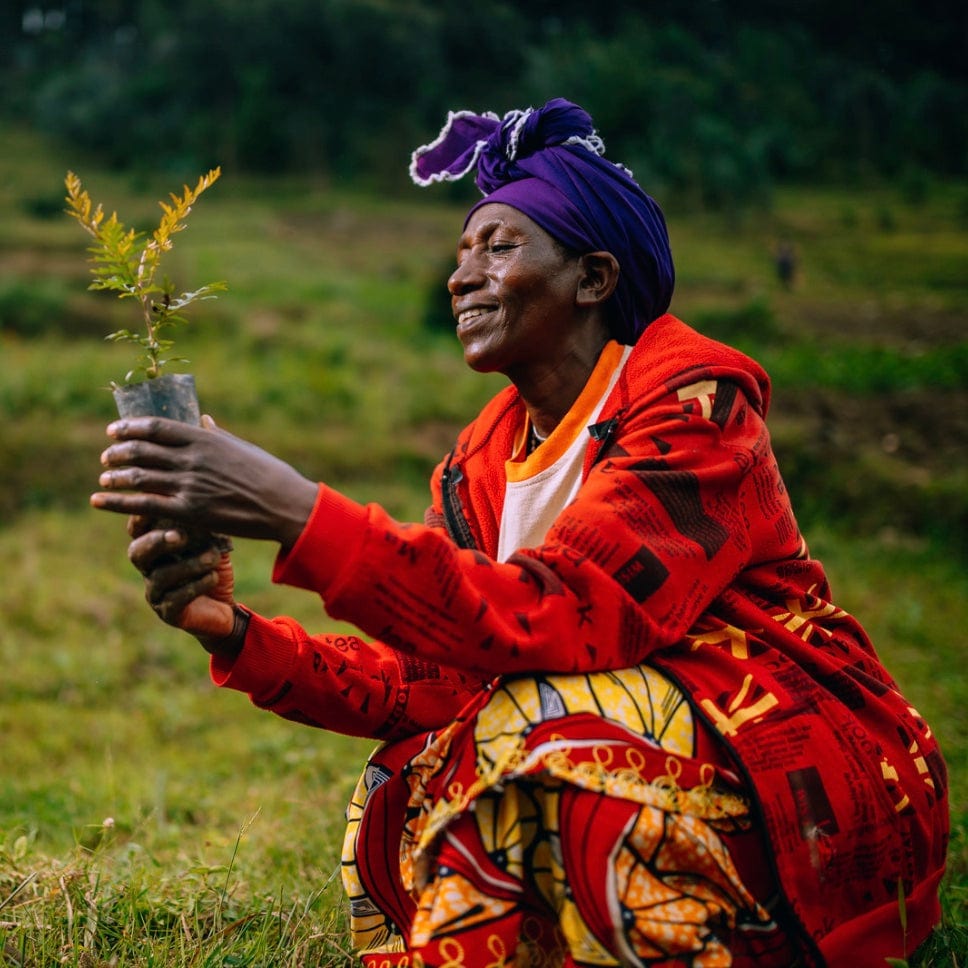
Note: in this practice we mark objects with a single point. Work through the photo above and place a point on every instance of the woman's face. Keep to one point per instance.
(513, 292)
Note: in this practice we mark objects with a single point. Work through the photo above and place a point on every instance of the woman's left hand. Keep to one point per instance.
(202, 476)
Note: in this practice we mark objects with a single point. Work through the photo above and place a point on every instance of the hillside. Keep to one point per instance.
(146, 817)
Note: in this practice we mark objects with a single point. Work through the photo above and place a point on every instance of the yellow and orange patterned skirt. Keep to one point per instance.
(564, 820)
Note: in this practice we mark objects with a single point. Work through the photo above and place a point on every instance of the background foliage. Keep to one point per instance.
(714, 100)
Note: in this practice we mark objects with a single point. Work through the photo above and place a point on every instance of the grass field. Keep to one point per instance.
(147, 819)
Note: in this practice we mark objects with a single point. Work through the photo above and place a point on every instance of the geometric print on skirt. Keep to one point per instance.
(562, 820)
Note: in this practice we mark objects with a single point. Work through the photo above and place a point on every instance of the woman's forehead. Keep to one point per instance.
(486, 218)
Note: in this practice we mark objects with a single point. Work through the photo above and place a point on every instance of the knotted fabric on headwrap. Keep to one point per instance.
(548, 163)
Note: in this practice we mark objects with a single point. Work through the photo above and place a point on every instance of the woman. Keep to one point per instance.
(624, 722)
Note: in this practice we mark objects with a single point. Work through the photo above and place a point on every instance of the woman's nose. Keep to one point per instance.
(465, 277)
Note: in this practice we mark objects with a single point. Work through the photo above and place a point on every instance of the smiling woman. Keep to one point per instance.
(624, 721)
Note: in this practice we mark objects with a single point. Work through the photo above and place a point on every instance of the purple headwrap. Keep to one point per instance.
(548, 164)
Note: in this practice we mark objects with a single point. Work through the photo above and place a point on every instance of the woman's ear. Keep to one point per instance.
(599, 278)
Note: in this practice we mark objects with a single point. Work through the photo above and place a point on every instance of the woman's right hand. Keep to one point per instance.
(202, 477)
(193, 592)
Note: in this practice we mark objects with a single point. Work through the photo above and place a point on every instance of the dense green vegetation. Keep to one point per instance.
(713, 101)
(147, 819)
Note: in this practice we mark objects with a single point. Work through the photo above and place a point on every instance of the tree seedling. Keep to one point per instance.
(129, 263)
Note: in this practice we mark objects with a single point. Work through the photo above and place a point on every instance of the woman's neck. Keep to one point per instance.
(549, 391)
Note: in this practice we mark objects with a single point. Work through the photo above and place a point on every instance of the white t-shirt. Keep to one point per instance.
(541, 484)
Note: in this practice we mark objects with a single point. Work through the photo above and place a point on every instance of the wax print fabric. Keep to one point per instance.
(554, 810)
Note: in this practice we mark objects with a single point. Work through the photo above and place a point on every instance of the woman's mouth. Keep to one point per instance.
(467, 315)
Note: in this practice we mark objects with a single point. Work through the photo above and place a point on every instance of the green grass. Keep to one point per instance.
(178, 820)
(147, 818)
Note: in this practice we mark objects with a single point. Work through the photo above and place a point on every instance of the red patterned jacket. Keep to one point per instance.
(681, 548)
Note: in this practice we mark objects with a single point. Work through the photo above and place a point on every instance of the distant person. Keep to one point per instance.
(785, 260)
(624, 721)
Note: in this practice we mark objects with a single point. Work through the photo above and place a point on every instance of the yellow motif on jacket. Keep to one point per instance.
(742, 709)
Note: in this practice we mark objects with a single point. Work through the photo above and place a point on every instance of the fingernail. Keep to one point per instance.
(172, 537)
(114, 428)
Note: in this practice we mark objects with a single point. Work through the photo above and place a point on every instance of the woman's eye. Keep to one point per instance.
(501, 246)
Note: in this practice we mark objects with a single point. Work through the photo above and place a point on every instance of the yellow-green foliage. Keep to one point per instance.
(128, 262)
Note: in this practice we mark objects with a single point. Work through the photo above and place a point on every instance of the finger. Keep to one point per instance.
(138, 479)
(136, 503)
(147, 550)
(225, 590)
(142, 453)
(171, 607)
(159, 429)
(138, 525)
(168, 578)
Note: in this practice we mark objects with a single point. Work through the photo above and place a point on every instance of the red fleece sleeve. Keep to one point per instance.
(341, 683)
(658, 530)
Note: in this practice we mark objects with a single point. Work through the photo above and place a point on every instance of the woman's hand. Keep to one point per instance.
(202, 476)
(191, 591)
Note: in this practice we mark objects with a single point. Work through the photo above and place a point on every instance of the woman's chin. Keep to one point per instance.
(477, 357)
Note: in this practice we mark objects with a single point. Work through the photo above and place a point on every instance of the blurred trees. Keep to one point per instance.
(710, 99)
